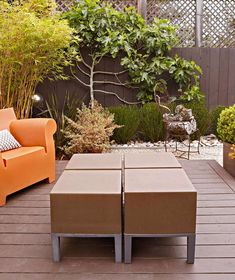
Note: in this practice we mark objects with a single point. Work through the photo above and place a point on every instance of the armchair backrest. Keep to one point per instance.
(6, 116)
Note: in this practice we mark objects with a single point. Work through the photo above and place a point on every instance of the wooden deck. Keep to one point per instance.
(25, 248)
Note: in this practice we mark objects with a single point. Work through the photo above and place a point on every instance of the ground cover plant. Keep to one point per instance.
(143, 49)
(34, 43)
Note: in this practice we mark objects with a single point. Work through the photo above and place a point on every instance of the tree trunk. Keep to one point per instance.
(92, 97)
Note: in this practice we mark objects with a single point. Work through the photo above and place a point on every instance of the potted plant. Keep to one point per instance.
(226, 132)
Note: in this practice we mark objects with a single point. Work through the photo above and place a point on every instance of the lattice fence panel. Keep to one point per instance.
(64, 5)
(121, 4)
(180, 12)
(218, 23)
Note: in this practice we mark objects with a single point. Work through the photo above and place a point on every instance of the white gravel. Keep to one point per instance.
(211, 149)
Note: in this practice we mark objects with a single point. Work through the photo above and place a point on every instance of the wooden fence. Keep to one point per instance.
(201, 23)
(217, 81)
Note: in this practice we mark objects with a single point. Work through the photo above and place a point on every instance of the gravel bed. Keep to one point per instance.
(210, 149)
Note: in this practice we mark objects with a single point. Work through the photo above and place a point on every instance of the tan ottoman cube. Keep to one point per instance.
(151, 161)
(159, 202)
(86, 204)
(95, 162)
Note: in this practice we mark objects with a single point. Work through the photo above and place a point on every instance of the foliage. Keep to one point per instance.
(226, 125)
(151, 124)
(145, 122)
(58, 111)
(104, 31)
(151, 67)
(128, 118)
(192, 93)
(232, 154)
(33, 43)
(201, 115)
(90, 132)
(214, 117)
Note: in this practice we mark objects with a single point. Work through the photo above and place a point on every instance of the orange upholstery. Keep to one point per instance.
(34, 161)
(6, 116)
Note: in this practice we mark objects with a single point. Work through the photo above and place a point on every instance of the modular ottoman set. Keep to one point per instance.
(140, 195)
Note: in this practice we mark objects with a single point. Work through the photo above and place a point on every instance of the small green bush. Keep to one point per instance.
(214, 118)
(151, 124)
(128, 117)
(226, 125)
(201, 114)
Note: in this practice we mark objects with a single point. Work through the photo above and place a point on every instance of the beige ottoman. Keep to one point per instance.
(151, 160)
(159, 203)
(95, 162)
(86, 204)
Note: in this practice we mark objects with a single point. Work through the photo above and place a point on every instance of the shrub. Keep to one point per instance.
(201, 115)
(32, 45)
(128, 118)
(226, 125)
(232, 154)
(214, 117)
(53, 108)
(90, 132)
(151, 124)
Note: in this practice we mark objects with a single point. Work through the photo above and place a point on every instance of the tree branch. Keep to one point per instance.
(114, 83)
(83, 61)
(98, 61)
(118, 97)
(126, 85)
(110, 73)
(80, 81)
(120, 83)
(80, 69)
(110, 83)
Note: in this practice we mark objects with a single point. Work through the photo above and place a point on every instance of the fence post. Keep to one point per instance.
(142, 8)
(198, 24)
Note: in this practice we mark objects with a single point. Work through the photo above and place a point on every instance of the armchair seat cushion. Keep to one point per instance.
(22, 153)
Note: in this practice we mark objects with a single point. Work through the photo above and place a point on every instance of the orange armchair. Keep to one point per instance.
(34, 161)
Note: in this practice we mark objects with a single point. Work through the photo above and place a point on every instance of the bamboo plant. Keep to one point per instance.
(32, 46)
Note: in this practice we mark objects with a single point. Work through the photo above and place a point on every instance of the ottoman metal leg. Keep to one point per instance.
(55, 239)
(128, 248)
(118, 248)
(191, 242)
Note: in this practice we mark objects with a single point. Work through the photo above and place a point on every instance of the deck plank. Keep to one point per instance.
(25, 244)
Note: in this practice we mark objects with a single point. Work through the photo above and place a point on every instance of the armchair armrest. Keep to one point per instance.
(1, 161)
(34, 132)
